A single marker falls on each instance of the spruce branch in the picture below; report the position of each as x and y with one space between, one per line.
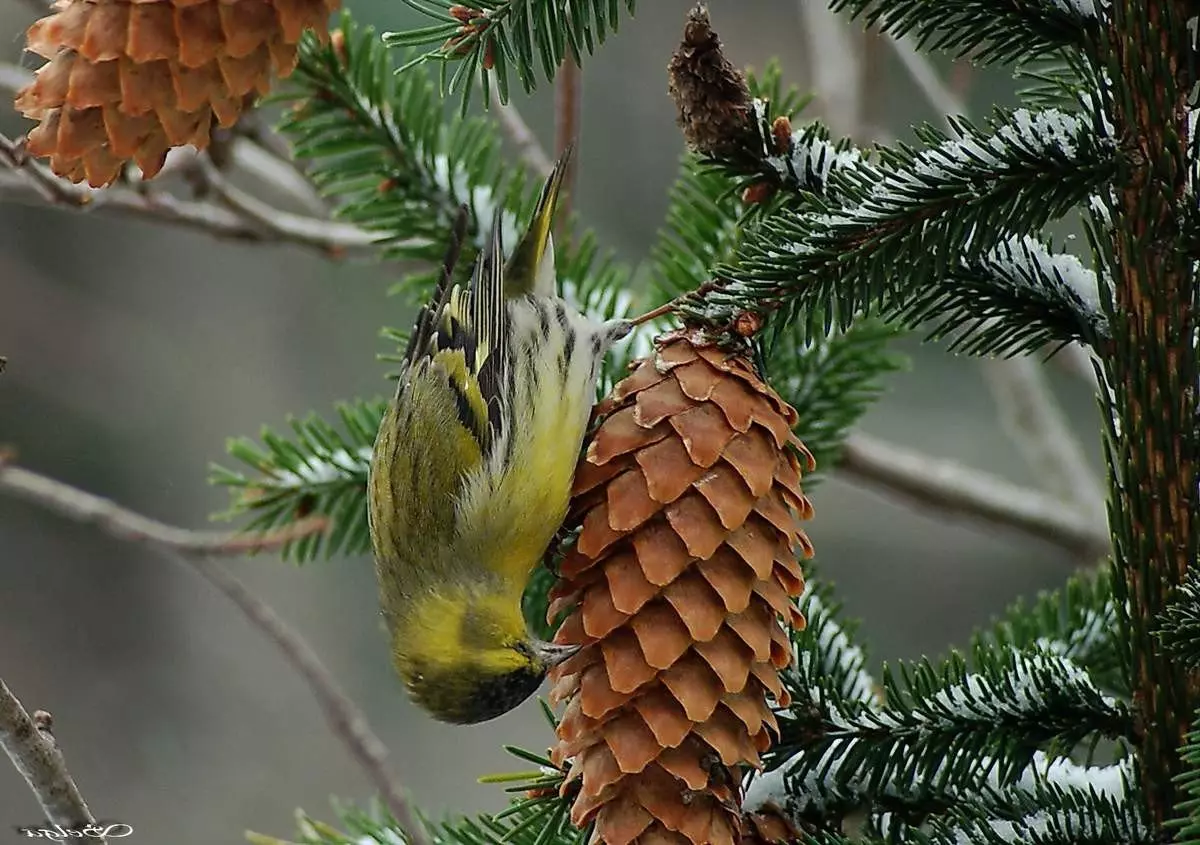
1188 823
379 145
991 31
1077 621
986 302
33 750
1051 816
953 489
1018 297
1180 627
923 209
321 470
497 38
825 792
942 737
829 666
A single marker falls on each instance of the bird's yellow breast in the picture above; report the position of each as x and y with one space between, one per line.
518 499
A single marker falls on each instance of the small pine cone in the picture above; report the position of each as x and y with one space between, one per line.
688 496
126 80
711 97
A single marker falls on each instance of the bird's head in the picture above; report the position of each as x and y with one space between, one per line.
467 657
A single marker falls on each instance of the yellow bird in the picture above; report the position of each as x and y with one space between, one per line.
471 473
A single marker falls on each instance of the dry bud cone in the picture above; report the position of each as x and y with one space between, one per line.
679 590
126 81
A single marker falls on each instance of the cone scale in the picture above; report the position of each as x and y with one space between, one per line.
126 81
678 591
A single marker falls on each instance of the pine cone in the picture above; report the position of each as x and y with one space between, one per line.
126 81
688 498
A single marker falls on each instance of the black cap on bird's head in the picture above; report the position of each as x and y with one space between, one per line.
467 693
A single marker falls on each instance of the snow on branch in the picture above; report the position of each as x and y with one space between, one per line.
1017 297
891 231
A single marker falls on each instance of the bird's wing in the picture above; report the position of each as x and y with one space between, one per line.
449 410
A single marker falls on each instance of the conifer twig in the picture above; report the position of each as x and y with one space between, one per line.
196 548
36 756
952 488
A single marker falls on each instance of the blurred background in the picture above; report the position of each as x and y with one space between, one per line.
135 350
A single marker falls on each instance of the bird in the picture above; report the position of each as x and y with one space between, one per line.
471 472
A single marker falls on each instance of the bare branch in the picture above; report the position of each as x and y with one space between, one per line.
1076 359
124 524
1038 427
953 489
514 126
835 66
944 101
247 219
282 225
344 717
35 754
195 548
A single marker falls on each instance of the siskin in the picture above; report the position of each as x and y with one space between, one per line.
471 473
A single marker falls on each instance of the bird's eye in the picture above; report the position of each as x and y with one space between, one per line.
523 648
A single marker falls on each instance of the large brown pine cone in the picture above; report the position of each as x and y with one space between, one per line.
126 81
679 588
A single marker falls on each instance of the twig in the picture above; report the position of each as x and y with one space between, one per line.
834 65
282 225
954 489
514 126
120 522
265 166
944 101
196 548
566 129
28 180
1038 427
36 756
344 717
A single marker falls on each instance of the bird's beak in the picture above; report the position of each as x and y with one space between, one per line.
542 223
553 654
